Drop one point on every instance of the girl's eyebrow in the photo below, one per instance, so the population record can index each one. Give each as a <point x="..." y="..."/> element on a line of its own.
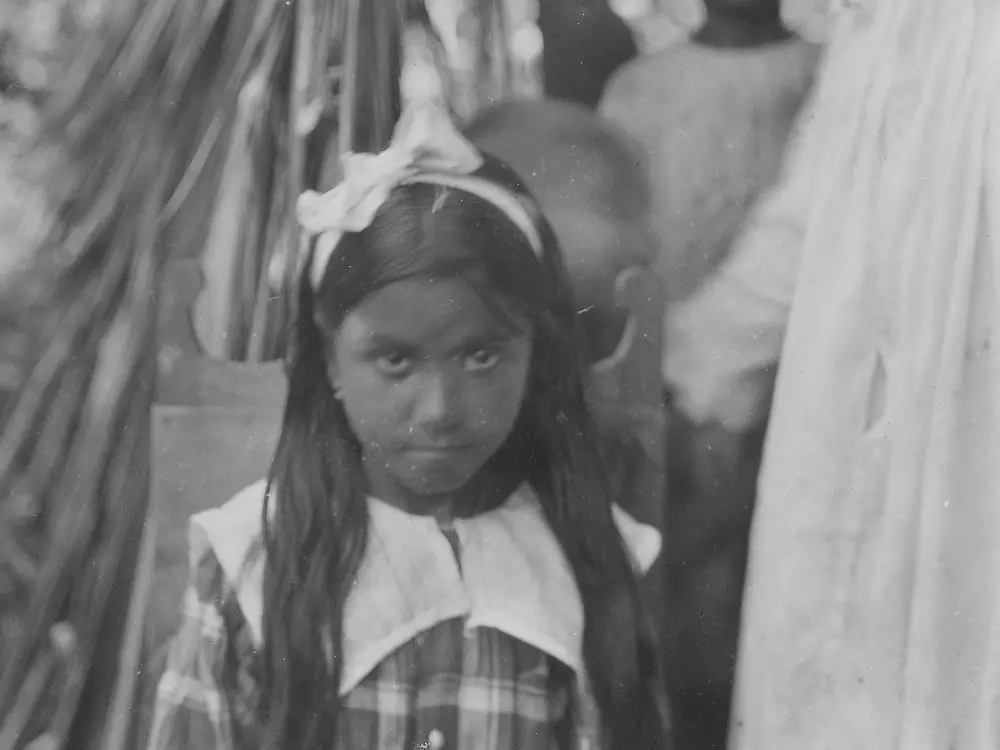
<point x="380" y="340"/>
<point x="383" y="340"/>
<point x="496" y="336"/>
<point x="492" y="339"/>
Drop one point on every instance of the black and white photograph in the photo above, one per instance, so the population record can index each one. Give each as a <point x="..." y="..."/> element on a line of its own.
<point x="499" y="375"/>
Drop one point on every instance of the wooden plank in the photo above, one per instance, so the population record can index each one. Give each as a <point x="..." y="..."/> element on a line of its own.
<point x="188" y="377"/>
<point x="202" y="456"/>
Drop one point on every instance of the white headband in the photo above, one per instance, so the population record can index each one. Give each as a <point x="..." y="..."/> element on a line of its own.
<point x="425" y="148"/>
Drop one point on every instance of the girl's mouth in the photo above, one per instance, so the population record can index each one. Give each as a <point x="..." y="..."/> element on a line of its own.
<point x="438" y="450"/>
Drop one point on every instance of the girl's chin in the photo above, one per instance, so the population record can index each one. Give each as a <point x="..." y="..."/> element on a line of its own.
<point x="438" y="471"/>
<point x="436" y="481"/>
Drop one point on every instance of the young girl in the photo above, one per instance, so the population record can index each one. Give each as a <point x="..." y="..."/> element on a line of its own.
<point x="434" y="560"/>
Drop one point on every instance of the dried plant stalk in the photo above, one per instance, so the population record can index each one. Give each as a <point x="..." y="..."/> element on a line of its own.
<point x="140" y="126"/>
<point x="149" y="118"/>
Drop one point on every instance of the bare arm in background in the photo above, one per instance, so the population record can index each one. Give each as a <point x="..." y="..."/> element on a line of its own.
<point x="723" y="343"/>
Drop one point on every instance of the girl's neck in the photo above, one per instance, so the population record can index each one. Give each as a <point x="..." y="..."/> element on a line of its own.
<point x="733" y="29"/>
<point x="485" y="491"/>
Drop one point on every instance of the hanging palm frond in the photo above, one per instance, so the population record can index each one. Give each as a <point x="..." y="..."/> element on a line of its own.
<point x="179" y="132"/>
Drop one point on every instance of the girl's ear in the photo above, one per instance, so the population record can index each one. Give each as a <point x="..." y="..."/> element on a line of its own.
<point x="329" y="350"/>
<point x="333" y="373"/>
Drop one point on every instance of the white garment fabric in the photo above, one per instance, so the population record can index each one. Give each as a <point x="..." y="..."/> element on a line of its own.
<point x="721" y="343"/>
<point x="872" y="612"/>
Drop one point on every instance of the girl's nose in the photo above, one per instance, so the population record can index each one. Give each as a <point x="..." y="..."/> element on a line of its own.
<point x="439" y="401"/>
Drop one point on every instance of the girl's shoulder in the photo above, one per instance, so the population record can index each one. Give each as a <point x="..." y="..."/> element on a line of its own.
<point x="244" y="507"/>
<point x="641" y="540"/>
<point x="235" y="525"/>
<point x="230" y="535"/>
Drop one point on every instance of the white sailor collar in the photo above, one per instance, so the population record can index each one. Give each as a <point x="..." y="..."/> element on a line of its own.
<point x="514" y="576"/>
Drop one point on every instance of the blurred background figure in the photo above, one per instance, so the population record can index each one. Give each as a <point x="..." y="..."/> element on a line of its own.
<point x="713" y="114"/>
<point x="873" y="589"/>
<point x="594" y="191"/>
<point x="585" y="42"/>
<point x="564" y="49"/>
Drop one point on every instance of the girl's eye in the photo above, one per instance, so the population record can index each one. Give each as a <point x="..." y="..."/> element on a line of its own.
<point x="393" y="363"/>
<point x="483" y="359"/>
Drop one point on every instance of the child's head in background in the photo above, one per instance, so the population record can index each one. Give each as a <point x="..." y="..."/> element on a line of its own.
<point x="436" y="364"/>
<point x="593" y="187"/>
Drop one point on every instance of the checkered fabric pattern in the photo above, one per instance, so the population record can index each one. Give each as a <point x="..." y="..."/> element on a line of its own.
<point x="447" y="688"/>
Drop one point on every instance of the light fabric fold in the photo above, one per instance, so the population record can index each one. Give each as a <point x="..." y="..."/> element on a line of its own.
<point x="873" y="599"/>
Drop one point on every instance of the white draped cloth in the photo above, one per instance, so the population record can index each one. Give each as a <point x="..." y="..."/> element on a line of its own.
<point x="872" y="613"/>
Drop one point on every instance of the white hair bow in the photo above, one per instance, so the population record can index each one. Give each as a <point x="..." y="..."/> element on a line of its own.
<point x="425" y="147"/>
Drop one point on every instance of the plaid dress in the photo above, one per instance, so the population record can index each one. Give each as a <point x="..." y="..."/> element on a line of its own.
<point x="443" y="687"/>
<point x="448" y="686"/>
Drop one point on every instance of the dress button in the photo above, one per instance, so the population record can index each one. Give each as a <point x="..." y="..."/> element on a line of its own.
<point x="435" y="740"/>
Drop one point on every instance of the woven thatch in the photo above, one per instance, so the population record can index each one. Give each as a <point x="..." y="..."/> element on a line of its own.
<point x="180" y="129"/>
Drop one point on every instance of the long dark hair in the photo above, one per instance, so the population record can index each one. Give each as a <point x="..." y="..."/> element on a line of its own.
<point x="315" y="538"/>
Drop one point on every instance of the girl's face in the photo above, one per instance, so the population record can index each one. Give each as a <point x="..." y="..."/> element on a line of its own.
<point x="432" y="381"/>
